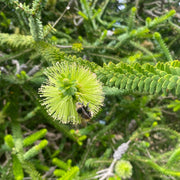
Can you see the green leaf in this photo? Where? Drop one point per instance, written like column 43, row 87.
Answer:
column 178, row 88
column 17, row 168
column 141, row 84
column 147, row 83
column 123, row 82
column 172, row 82
column 159, row 85
column 34, row 137
column 135, row 83
column 35, row 149
column 83, row 15
column 118, row 80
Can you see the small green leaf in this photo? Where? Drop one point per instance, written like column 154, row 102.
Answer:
column 153, row 86
column 17, row 168
column 141, row 84
column 129, row 83
column 123, row 82
column 135, row 83
column 178, row 88
column 118, row 80
column 159, row 85
column 147, row 84
column 172, row 82
column 83, row 15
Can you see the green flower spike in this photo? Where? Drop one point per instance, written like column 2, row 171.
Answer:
column 123, row 169
column 68, row 84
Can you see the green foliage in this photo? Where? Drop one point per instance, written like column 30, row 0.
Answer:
column 113, row 91
column 30, row 169
column 71, row 174
column 35, row 150
column 159, row 39
column 130, row 48
column 34, row 15
column 34, row 137
column 131, row 19
column 158, row 20
column 173, row 158
column 19, row 156
column 53, row 54
column 141, row 31
column 16, row 40
column 9, row 140
column 163, row 78
column 17, row 168
column 36, row 28
column 175, row 105
column 159, row 168
column 60, row 163
column 67, row 171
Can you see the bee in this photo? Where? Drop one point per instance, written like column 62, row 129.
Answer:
column 83, row 111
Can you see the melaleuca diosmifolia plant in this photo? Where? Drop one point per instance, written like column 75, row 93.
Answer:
column 141, row 31
column 162, row 78
column 65, row 170
column 21, row 157
column 71, row 79
column 33, row 15
column 158, row 161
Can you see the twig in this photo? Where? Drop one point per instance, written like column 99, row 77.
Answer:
column 19, row 67
column 33, row 70
column 15, row 56
column 66, row 9
column 108, row 172
column 3, row 69
column 48, row 173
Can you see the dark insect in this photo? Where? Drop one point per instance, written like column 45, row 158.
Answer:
column 83, row 110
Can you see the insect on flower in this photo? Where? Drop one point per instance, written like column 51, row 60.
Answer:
column 84, row 111
column 66, row 84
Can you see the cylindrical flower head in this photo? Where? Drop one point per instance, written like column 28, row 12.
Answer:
column 68, row 84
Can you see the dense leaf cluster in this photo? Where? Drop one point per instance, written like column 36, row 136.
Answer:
column 132, row 47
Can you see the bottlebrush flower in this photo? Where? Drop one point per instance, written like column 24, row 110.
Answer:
column 123, row 169
column 68, row 84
